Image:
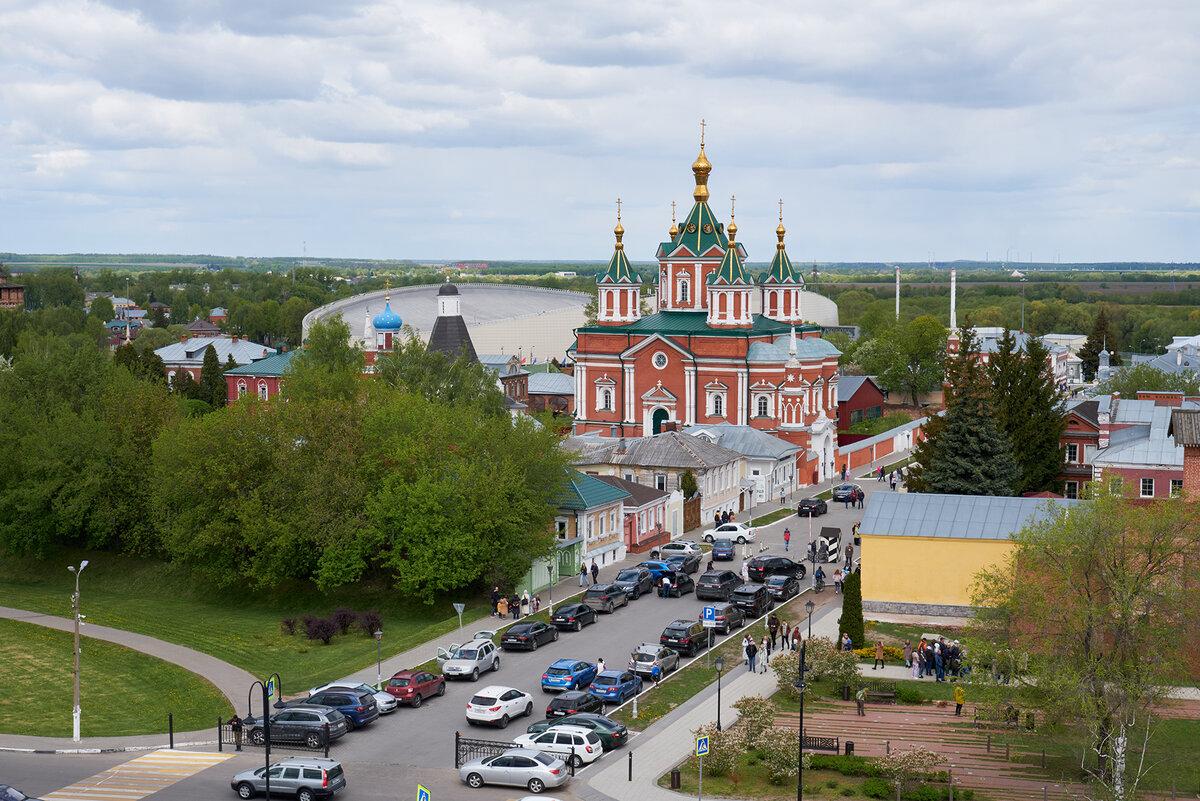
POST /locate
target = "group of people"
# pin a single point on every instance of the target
(937, 659)
(583, 573)
(721, 518)
(780, 636)
(518, 605)
(892, 477)
(856, 497)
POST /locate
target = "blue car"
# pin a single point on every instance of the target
(657, 568)
(568, 674)
(722, 550)
(616, 686)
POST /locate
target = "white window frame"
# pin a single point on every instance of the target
(241, 388)
(1072, 453)
(263, 390)
(715, 397)
(762, 406)
(1176, 487)
(1142, 487)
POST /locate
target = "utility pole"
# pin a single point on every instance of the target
(76, 711)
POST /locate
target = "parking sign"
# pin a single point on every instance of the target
(709, 613)
(701, 746)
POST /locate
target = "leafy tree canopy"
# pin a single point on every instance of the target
(908, 359)
(1142, 377)
(436, 377)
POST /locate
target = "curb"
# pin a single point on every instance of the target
(114, 750)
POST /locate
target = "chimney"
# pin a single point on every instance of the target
(621, 446)
(953, 297)
(235, 339)
(183, 337)
(1178, 356)
(613, 431)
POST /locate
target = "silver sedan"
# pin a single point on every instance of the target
(516, 767)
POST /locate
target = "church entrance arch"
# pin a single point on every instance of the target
(659, 417)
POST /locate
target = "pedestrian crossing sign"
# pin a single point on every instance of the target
(701, 746)
(422, 793)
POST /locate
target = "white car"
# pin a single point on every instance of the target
(468, 661)
(679, 546)
(497, 705)
(574, 745)
(385, 701)
(738, 532)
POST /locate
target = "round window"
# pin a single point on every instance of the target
(660, 360)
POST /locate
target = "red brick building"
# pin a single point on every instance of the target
(859, 399)
(12, 296)
(704, 357)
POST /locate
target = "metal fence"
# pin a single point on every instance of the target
(255, 737)
(467, 748)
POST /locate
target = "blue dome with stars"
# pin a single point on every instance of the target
(388, 320)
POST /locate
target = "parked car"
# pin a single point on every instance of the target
(611, 733)
(677, 547)
(573, 616)
(845, 492)
(635, 581)
(498, 705)
(414, 686)
(738, 532)
(568, 674)
(717, 584)
(299, 725)
(516, 767)
(572, 703)
(386, 702)
(616, 686)
(684, 562)
(575, 745)
(304, 777)
(654, 661)
(656, 567)
(812, 507)
(605, 597)
(359, 707)
(722, 550)
(681, 583)
(781, 588)
(528, 636)
(728, 616)
(753, 599)
(477, 656)
(10, 793)
(686, 636)
(761, 567)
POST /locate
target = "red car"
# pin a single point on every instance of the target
(414, 686)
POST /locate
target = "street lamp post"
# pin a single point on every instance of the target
(800, 685)
(266, 723)
(76, 712)
(550, 587)
(379, 660)
(809, 607)
(720, 667)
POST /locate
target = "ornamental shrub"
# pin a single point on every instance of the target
(911, 765)
(370, 622)
(344, 618)
(756, 715)
(851, 621)
(909, 695)
(724, 749)
(321, 628)
(288, 626)
(778, 749)
(890, 653)
(876, 788)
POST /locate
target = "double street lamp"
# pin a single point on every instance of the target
(76, 712)
(379, 660)
(276, 686)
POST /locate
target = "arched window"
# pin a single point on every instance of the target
(608, 296)
(241, 388)
(171, 379)
(718, 406)
(262, 390)
(606, 400)
(763, 406)
(683, 291)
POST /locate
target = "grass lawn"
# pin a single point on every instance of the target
(239, 626)
(771, 517)
(121, 691)
(754, 782)
(896, 633)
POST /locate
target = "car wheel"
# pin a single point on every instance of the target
(528, 710)
(258, 737)
(245, 790)
(578, 625)
(495, 664)
(441, 689)
(312, 740)
(637, 594)
(575, 761)
(474, 780)
(475, 674)
(350, 724)
(534, 647)
(708, 537)
(504, 721)
(416, 701)
(741, 540)
(536, 786)
(554, 636)
(304, 794)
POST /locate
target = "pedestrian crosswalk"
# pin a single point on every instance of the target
(138, 777)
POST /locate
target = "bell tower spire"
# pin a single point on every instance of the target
(782, 285)
(619, 288)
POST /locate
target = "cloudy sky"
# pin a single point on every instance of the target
(892, 129)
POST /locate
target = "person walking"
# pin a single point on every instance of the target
(796, 638)
(892, 480)
(960, 698)
(502, 607)
(837, 581)
(843, 473)
(908, 653)
(785, 631)
(514, 606)
(787, 538)
(745, 573)
(878, 655)
(773, 629)
(849, 557)
(495, 599)
(600, 665)
(582, 574)
(745, 649)
(861, 497)
(916, 664)
(716, 518)
(860, 700)
(595, 573)
(766, 652)
(881, 473)
(537, 603)
(751, 653)
(525, 603)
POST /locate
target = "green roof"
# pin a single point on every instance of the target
(732, 271)
(619, 270)
(587, 492)
(781, 271)
(274, 365)
(699, 233)
(694, 323)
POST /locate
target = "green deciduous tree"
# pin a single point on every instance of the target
(328, 366)
(1029, 410)
(908, 359)
(437, 377)
(1131, 380)
(1098, 595)
(102, 309)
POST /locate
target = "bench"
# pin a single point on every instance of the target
(881, 691)
(1009, 718)
(812, 743)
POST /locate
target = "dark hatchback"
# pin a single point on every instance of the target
(717, 585)
(528, 636)
(635, 581)
(684, 562)
(681, 584)
(761, 567)
(722, 551)
(611, 733)
(728, 617)
(605, 597)
(812, 507)
(686, 636)
(574, 617)
(573, 702)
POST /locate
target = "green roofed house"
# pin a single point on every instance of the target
(261, 377)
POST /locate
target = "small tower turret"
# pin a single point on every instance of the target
(619, 288)
(782, 285)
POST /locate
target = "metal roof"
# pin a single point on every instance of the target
(274, 365)
(551, 384)
(695, 323)
(972, 517)
(849, 384)
(746, 440)
(668, 449)
(639, 494)
(585, 492)
(191, 351)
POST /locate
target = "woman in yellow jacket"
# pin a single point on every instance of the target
(960, 698)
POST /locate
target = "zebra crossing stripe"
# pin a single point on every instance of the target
(139, 777)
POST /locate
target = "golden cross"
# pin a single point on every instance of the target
(732, 198)
(618, 209)
(702, 123)
(781, 210)
(672, 212)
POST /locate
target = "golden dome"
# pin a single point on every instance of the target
(674, 232)
(780, 231)
(732, 229)
(701, 168)
(619, 230)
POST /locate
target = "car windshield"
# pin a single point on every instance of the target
(710, 579)
(483, 700)
(399, 682)
(467, 653)
(558, 672)
(744, 593)
(676, 631)
(596, 592)
(605, 681)
(627, 575)
(520, 629)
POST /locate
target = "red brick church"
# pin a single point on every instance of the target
(705, 357)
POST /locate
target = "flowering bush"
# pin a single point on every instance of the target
(757, 715)
(890, 653)
(778, 748)
(784, 666)
(724, 748)
(910, 765)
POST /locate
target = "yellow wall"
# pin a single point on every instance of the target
(926, 570)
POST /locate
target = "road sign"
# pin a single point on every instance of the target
(709, 613)
(701, 746)
(458, 608)
(422, 793)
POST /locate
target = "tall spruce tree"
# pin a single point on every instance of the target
(212, 383)
(1100, 338)
(925, 452)
(851, 621)
(1029, 409)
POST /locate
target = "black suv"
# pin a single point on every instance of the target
(573, 701)
(760, 567)
(812, 507)
(717, 584)
(753, 599)
(729, 617)
(685, 636)
(635, 581)
(605, 597)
